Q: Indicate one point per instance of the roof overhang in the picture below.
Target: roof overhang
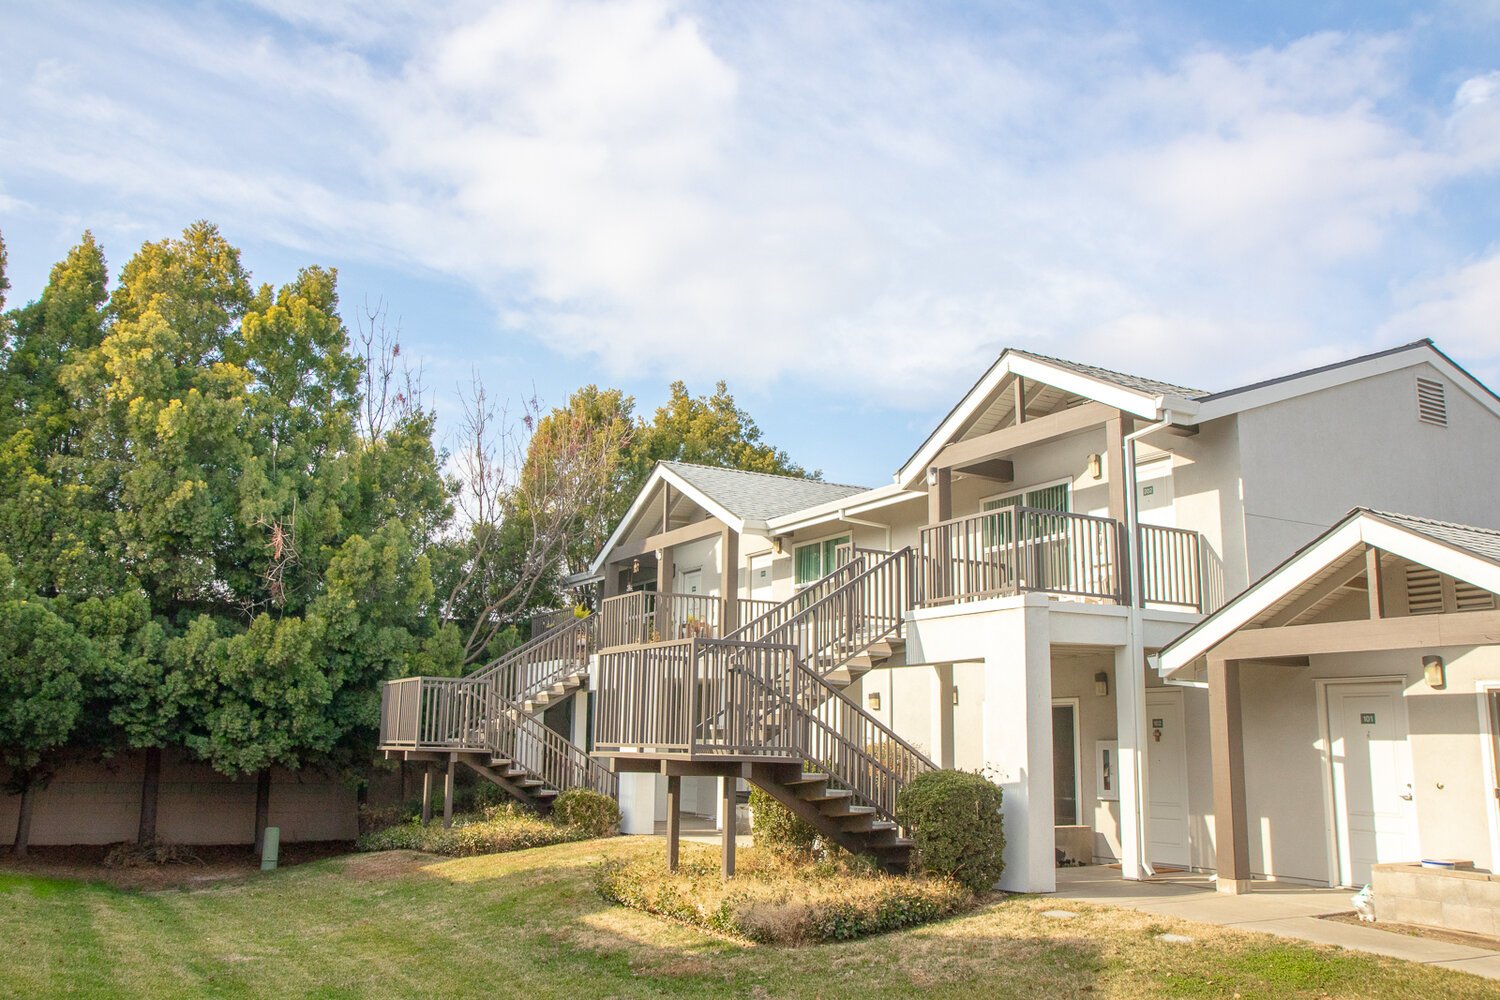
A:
(1359, 528)
(664, 474)
(1259, 394)
(837, 510)
(1147, 406)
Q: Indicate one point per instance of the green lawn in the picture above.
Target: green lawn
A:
(529, 925)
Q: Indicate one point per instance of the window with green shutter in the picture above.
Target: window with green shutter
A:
(815, 560)
(1046, 498)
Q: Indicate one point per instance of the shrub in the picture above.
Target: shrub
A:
(497, 829)
(152, 852)
(777, 829)
(595, 814)
(774, 899)
(953, 818)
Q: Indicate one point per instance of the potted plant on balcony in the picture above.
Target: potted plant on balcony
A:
(695, 628)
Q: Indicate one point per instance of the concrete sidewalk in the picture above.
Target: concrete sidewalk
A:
(1272, 907)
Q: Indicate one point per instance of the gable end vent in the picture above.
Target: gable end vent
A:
(1432, 402)
(1424, 591)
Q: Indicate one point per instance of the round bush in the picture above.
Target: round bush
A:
(595, 814)
(777, 828)
(953, 817)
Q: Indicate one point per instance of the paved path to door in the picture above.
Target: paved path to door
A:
(1275, 908)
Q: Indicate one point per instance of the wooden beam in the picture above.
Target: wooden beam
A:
(1018, 387)
(1464, 628)
(939, 495)
(1340, 575)
(1227, 744)
(666, 539)
(666, 508)
(1373, 581)
(1008, 439)
(448, 792)
(1001, 470)
(729, 586)
(674, 820)
(427, 794)
(727, 787)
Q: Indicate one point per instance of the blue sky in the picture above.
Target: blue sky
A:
(846, 210)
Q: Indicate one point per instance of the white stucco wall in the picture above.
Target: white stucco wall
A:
(1284, 761)
(1307, 461)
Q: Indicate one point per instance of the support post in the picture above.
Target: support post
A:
(939, 495)
(1130, 707)
(1231, 825)
(729, 552)
(426, 794)
(1374, 582)
(448, 791)
(727, 786)
(674, 819)
(1018, 388)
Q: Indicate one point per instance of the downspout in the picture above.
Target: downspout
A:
(1136, 639)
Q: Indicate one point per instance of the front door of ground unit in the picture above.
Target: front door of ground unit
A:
(1370, 771)
(1166, 759)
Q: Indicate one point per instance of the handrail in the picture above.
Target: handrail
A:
(516, 735)
(512, 656)
(1171, 566)
(800, 601)
(663, 616)
(1014, 549)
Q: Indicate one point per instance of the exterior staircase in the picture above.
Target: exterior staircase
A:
(766, 703)
(487, 720)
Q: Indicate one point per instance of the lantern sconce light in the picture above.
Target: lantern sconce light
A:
(1101, 684)
(874, 700)
(1096, 465)
(1434, 671)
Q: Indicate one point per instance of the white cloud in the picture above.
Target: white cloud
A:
(838, 189)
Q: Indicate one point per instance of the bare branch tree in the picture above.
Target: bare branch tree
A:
(527, 484)
(393, 389)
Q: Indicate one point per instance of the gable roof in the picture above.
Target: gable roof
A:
(759, 496)
(1462, 551)
(1151, 399)
(744, 501)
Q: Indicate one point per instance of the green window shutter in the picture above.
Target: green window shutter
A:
(808, 563)
(1050, 498)
(831, 552)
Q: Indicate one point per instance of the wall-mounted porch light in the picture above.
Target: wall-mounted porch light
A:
(1101, 684)
(955, 694)
(635, 566)
(1433, 670)
(1096, 465)
(874, 700)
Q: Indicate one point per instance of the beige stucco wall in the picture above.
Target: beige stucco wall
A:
(1284, 764)
(92, 802)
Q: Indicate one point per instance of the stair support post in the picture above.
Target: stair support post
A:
(448, 792)
(674, 819)
(426, 794)
(727, 787)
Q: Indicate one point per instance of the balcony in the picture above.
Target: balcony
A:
(648, 616)
(1022, 549)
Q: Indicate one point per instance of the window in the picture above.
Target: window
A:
(1432, 402)
(1055, 497)
(815, 560)
(1065, 811)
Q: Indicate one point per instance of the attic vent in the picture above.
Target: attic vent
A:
(1471, 598)
(1432, 402)
(1424, 591)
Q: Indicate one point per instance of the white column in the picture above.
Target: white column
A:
(1018, 744)
(941, 726)
(1130, 708)
(638, 803)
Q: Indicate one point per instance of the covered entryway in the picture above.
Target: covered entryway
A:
(1349, 696)
(1166, 779)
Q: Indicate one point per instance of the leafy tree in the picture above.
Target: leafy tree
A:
(44, 664)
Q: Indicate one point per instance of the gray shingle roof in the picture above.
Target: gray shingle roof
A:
(1135, 383)
(760, 496)
(1482, 542)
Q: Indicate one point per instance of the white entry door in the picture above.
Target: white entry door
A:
(1166, 778)
(762, 587)
(1371, 778)
(691, 582)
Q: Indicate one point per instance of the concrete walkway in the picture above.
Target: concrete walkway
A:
(1272, 907)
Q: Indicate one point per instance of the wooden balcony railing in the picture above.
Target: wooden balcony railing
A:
(1171, 566)
(731, 698)
(646, 616)
(432, 713)
(1016, 549)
